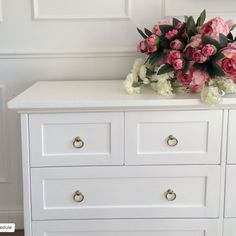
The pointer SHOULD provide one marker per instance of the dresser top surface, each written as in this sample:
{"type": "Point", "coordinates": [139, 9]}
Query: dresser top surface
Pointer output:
{"type": "Point", "coordinates": [103, 94]}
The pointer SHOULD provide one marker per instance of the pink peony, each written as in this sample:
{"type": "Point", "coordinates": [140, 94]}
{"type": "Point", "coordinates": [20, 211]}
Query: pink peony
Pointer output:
{"type": "Point", "coordinates": [171, 56]}
{"type": "Point", "coordinates": [171, 34]}
{"type": "Point", "coordinates": [156, 28]}
{"type": "Point", "coordinates": [199, 57]}
{"type": "Point", "coordinates": [209, 50]}
{"type": "Point", "coordinates": [214, 27]}
{"type": "Point", "coordinates": [194, 79]}
{"type": "Point", "coordinates": [176, 44]}
{"type": "Point", "coordinates": [142, 47]}
{"type": "Point", "coordinates": [228, 63]}
{"type": "Point", "coordinates": [178, 64]}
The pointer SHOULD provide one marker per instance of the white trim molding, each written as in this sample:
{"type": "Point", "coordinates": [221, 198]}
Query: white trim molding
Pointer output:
{"type": "Point", "coordinates": [77, 17]}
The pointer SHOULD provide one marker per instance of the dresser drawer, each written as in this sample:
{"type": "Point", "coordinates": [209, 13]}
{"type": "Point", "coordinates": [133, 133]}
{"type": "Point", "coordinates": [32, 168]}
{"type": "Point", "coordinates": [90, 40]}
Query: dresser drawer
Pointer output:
{"type": "Point", "coordinates": [127, 228]}
{"type": "Point", "coordinates": [125, 192]}
{"type": "Point", "coordinates": [230, 198]}
{"type": "Point", "coordinates": [232, 137]}
{"type": "Point", "coordinates": [176, 137]}
{"type": "Point", "coordinates": [229, 227]}
{"type": "Point", "coordinates": [76, 139]}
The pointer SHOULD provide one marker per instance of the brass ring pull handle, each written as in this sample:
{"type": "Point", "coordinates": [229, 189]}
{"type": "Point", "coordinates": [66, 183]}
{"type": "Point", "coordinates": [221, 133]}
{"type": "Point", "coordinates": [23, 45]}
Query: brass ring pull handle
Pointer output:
{"type": "Point", "coordinates": [172, 141]}
{"type": "Point", "coordinates": [78, 196]}
{"type": "Point", "coordinates": [170, 195]}
{"type": "Point", "coordinates": [78, 142]}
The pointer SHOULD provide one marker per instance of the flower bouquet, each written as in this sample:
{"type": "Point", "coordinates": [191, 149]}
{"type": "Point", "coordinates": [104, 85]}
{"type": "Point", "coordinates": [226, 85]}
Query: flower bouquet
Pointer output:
{"type": "Point", "coordinates": [187, 56]}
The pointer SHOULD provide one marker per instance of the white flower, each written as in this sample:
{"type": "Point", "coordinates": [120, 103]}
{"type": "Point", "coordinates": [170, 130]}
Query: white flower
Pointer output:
{"type": "Point", "coordinates": [136, 67]}
{"type": "Point", "coordinates": [128, 84]}
{"type": "Point", "coordinates": [146, 81]}
{"type": "Point", "coordinates": [163, 87]}
{"type": "Point", "coordinates": [154, 77]}
{"type": "Point", "coordinates": [143, 72]}
{"type": "Point", "coordinates": [211, 95]}
{"type": "Point", "coordinates": [226, 84]}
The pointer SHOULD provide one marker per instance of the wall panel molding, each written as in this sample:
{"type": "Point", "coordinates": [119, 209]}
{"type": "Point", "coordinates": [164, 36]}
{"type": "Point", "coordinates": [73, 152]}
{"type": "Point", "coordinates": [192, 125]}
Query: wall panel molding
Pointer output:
{"type": "Point", "coordinates": [1, 11]}
{"type": "Point", "coordinates": [3, 160]}
{"type": "Point", "coordinates": [194, 7]}
{"type": "Point", "coordinates": [69, 14]}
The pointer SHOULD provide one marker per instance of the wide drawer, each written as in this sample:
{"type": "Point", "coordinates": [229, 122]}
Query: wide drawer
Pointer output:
{"type": "Point", "coordinates": [127, 228]}
{"type": "Point", "coordinates": [229, 227]}
{"type": "Point", "coordinates": [230, 198]}
{"type": "Point", "coordinates": [173, 137]}
{"type": "Point", "coordinates": [125, 192]}
{"type": "Point", "coordinates": [232, 137]}
{"type": "Point", "coordinates": [76, 139]}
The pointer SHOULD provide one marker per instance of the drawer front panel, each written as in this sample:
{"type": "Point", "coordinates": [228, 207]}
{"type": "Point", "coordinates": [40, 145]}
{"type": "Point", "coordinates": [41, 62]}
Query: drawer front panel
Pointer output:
{"type": "Point", "coordinates": [127, 228]}
{"type": "Point", "coordinates": [229, 227]}
{"type": "Point", "coordinates": [180, 137]}
{"type": "Point", "coordinates": [76, 139]}
{"type": "Point", "coordinates": [230, 199]}
{"type": "Point", "coordinates": [125, 192]}
{"type": "Point", "coordinates": [232, 137]}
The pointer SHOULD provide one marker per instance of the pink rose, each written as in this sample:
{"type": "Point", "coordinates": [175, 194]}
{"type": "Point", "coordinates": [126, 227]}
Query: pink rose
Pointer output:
{"type": "Point", "coordinates": [179, 26]}
{"type": "Point", "coordinates": [178, 64]}
{"type": "Point", "coordinates": [214, 27]}
{"type": "Point", "coordinates": [188, 52]}
{"type": "Point", "coordinates": [184, 78]}
{"type": "Point", "coordinates": [199, 57]}
{"type": "Point", "coordinates": [196, 41]}
{"type": "Point", "coordinates": [156, 28]}
{"type": "Point", "coordinates": [171, 34]}
{"type": "Point", "coordinates": [152, 43]}
{"type": "Point", "coordinates": [209, 50]}
{"type": "Point", "coordinates": [228, 63]}
{"type": "Point", "coordinates": [171, 56]}
{"type": "Point", "coordinates": [176, 44]}
{"type": "Point", "coordinates": [142, 47]}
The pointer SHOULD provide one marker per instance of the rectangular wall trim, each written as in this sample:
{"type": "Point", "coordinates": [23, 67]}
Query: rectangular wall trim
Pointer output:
{"type": "Point", "coordinates": [81, 10]}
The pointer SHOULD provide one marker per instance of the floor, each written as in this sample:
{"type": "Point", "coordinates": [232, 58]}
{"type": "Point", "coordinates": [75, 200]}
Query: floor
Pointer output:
{"type": "Point", "coordinates": [18, 233]}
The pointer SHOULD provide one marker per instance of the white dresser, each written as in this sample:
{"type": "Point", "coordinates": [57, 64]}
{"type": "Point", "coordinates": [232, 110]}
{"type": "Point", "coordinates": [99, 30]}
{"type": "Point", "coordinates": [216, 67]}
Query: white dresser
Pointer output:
{"type": "Point", "coordinates": [99, 162]}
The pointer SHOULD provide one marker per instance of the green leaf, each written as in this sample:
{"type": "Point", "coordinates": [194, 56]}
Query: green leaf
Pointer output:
{"type": "Point", "coordinates": [208, 40]}
{"type": "Point", "coordinates": [147, 32]}
{"type": "Point", "coordinates": [233, 27]}
{"type": "Point", "coordinates": [191, 26]}
{"type": "Point", "coordinates": [136, 84]}
{"type": "Point", "coordinates": [150, 72]}
{"type": "Point", "coordinates": [155, 57]}
{"type": "Point", "coordinates": [217, 70]}
{"type": "Point", "coordinates": [223, 41]}
{"type": "Point", "coordinates": [186, 66]}
{"type": "Point", "coordinates": [218, 56]}
{"type": "Point", "coordinates": [201, 19]}
{"type": "Point", "coordinates": [186, 18]}
{"type": "Point", "coordinates": [165, 69]}
{"type": "Point", "coordinates": [176, 22]}
{"type": "Point", "coordinates": [230, 36]}
{"type": "Point", "coordinates": [165, 28]}
{"type": "Point", "coordinates": [142, 34]}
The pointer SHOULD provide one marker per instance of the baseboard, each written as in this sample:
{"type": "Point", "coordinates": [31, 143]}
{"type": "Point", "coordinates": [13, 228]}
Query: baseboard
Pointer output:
{"type": "Point", "coordinates": [16, 217]}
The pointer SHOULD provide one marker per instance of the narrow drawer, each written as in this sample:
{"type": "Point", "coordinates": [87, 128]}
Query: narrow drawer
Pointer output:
{"type": "Point", "coordinates": [176, 137]}
{"type": "Point", "coordinates": [125, 192]}
{"type": "Point", "coordinates": [76, 139]}
{"type": "Point", "coordinates": [230, 198]}
{"type": "Point", "coordinates": [232, 137]}
{"type": "Point", "coordinates": [127, 228]}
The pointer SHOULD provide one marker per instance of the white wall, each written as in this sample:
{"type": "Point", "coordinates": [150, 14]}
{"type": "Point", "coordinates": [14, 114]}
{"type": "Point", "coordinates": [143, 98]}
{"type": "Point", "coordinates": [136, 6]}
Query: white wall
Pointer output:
{"type": "Point", "coordinates": [69, 40]}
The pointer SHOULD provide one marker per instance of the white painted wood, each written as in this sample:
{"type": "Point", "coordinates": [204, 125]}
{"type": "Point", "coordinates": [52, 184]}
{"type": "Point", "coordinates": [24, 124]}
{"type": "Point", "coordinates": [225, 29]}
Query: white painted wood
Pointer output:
{"type": "Point", "coordinates": [52, 137]}
{"type": "Point", "coordinates": [127, 228]}
{"type": "Point", "coordinates": [125, 192]}
{"type": "Point", "coordinates": [198, 134]}
{"type": "Point", "coordinates": [229, 227]}
{"type": "Point", "coordinates": [26, 174]}
{"type": "Point", "coordinates": [230, 199]}
{"type": "Point", "coordinates": [110, 94]}
{"type": "Point", "coordinates": [231, 138]}
{"type": "Point", "coordinates": [81, 9]}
